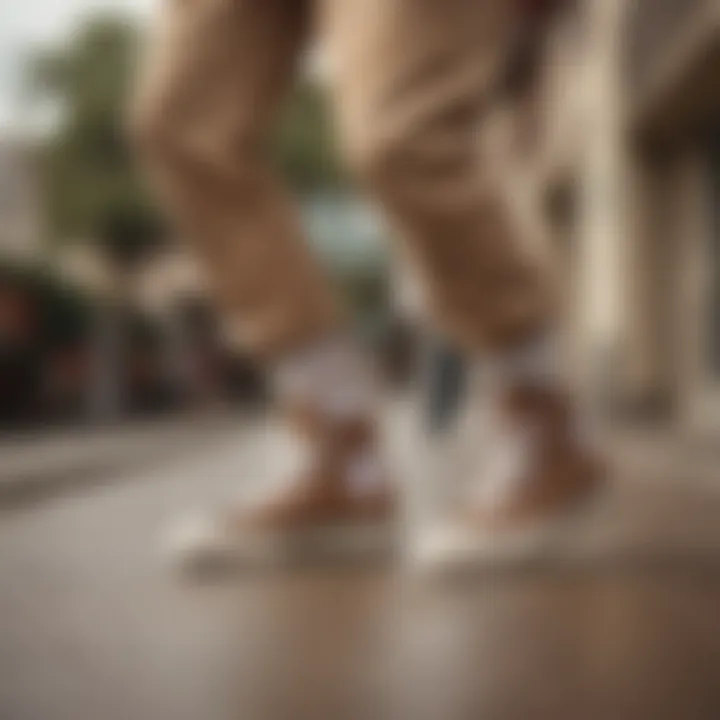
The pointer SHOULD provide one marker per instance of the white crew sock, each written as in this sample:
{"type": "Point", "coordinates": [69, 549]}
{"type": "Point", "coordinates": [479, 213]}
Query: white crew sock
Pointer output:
{"type": "Point", "coordinates": [538, 363]}
{"type": "Point", "coordinates": [333, 376]}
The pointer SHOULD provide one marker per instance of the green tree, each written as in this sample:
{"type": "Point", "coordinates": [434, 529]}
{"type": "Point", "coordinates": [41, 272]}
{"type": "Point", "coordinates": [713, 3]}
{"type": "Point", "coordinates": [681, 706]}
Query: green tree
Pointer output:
{"type": "Point", "coordinates": [92, 188]}
{"type": "Point", "coordinates": [305, 146]}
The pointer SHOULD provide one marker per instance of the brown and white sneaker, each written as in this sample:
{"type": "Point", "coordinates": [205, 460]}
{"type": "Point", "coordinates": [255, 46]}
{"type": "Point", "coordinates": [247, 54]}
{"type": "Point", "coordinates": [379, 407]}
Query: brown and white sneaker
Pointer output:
{"type": "Point", "coordinates": [342, 505]}
{"type": "Point", "coordinates": [538, 478]}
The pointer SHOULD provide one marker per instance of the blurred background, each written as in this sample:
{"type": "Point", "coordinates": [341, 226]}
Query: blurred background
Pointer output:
{"type": "Point", "coordinates": [114, 367]}
{"type": "Point", "coordinates": [103, 316]}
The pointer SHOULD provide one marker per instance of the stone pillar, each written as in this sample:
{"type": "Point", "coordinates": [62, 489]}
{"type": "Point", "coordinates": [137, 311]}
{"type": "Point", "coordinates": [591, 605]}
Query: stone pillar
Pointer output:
{"type": "Point", "coordinates": [601, 221]}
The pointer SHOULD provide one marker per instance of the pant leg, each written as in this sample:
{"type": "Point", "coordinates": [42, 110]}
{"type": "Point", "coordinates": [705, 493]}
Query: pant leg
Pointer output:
{"type": "Point", "coordinates": [413, 79]}
{"type": "Point", "coordinates": [215, 78]}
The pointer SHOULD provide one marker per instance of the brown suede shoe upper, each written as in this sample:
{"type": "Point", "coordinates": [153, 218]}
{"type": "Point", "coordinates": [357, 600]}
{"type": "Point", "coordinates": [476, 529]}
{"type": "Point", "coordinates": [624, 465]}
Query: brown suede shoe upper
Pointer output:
{"type": "Point", "coordinates": [559, 471]}
{"type": "Point", "coordinates": [322, 495]}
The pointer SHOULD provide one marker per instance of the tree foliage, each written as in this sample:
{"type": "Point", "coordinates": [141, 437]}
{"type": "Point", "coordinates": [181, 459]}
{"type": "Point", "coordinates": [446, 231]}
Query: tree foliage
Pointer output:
{"type": "Point", "coordinates": [91, 184]}
{"type": "Point", "coordinates": [305, 145]}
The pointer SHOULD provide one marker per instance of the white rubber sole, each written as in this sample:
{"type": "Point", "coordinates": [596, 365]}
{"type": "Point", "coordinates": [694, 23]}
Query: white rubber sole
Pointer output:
{"type": "Point", "coordinates": [449, 546]}
{"type": "Point", "coordinates": [202, 546]}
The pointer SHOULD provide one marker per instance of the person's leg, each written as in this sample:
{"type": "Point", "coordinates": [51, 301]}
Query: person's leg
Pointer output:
{"type": "Point", "coordinates": [213, 86]}
{"type": "Point", "coordinates": [414, 81]}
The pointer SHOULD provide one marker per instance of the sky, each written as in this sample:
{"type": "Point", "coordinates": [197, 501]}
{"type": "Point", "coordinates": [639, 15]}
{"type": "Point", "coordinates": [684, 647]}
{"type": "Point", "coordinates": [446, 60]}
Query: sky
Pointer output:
{"type": "Point", "coordinates": [25, 24]}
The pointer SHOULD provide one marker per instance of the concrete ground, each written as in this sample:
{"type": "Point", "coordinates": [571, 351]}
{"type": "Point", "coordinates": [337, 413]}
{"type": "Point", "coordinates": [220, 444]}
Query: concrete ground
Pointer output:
{"type": "Point", "coordinates": [36, 465]}
{"type": "Point", "coordinates": [94, 626]}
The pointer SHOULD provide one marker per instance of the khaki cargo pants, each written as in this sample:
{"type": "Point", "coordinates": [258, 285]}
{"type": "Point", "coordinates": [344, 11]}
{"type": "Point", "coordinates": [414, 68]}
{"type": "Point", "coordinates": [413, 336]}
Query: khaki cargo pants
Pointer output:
{"type": "Point", "coordinates": [412, 81]}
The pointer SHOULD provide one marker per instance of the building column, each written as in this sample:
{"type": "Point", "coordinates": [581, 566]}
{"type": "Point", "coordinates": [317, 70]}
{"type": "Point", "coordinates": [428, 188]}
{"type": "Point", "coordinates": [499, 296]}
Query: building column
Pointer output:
{"type": "Point", "coordinates": [601, 222]}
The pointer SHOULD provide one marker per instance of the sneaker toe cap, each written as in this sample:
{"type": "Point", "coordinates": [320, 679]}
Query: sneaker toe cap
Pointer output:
{"type": "Point", "coordinates": [205, 543]}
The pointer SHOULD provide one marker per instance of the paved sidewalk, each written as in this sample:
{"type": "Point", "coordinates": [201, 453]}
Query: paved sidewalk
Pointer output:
{"type": "Point", "coordinates": [39, 465]}
{"type": "Point", "coordinates": [94, 625]}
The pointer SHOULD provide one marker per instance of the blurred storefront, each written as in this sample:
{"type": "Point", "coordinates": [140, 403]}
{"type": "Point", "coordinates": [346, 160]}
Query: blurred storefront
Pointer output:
{"type": "Point", "coordinates": [72, 348]}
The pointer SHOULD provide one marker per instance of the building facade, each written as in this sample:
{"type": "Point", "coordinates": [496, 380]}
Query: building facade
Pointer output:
{"type": "Point", "coordinates": [671, 78]}
{"type": "Point", "coordinates": [628, 180]}
{"type": "Point", "coordinates": [20, 201]}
